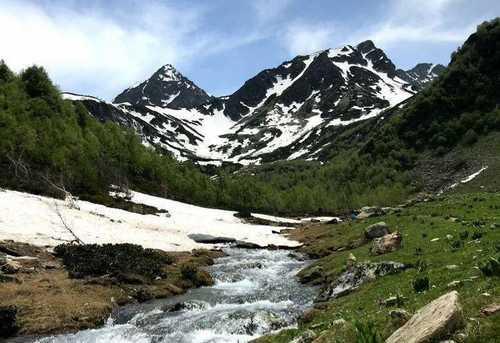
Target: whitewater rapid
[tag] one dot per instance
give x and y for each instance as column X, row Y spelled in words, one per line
column 255, row 292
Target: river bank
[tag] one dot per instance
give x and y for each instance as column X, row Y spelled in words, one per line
column 48, row 300
column 253, row 292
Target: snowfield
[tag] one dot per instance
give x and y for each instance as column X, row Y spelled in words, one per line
column 41, row 221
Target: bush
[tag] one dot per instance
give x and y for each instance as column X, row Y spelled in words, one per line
column 491, row 267
column 477, row 235
column 421, row 284
column 470, row 137
column 112, row 259
column 366, row 333
column 189, row 271
column 198, row 277
column 456, row 245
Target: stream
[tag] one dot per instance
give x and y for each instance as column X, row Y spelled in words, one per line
column 255, row 292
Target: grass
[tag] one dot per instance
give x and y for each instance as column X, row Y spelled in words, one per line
column 447, row 218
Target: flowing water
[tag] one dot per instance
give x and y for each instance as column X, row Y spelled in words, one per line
column 256, row 292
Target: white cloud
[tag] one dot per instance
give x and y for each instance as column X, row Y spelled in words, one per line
column 300, row 38
column 91, row 51
column 404, row 21
column 422, row 21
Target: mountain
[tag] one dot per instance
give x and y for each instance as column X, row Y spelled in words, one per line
column 421, row 75
column 286, row 112
column 165, row 88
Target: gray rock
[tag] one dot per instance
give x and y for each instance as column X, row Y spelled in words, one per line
column 388, row 243
column 11, row 267
column 399, row 316
column 357, row 275
column 247, row 245
column 209, row 239
column 437, row 320
column 377, row 230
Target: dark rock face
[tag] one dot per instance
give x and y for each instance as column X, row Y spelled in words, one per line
column 8, row 325
column 165, row 88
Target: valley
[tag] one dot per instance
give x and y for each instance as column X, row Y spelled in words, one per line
column 333, row 198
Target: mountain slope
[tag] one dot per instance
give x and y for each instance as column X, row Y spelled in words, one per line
column 281, row 113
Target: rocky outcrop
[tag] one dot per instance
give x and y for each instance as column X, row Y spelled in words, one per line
column 357, row 275
column 377, row 230
column 388, row 243
column 437, row 320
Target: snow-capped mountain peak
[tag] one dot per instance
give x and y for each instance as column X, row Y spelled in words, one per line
column 285, row 112
column 166, row 88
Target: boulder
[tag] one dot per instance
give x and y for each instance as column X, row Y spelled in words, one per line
column 377, row 230
column 8, row 325
column 209, row 239
column 399, row 316
column 11, row 267
column 437, row 320
column 357, row 275
column 313, row 273
column 247, row 245
column 388, row 243
column 490, row 310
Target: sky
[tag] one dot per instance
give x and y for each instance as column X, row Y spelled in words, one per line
column 101, row 47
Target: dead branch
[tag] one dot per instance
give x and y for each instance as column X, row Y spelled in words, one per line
column 66, row 226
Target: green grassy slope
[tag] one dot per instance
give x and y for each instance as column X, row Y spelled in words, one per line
column 458, row 215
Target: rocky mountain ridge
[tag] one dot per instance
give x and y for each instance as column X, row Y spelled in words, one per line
column 281, row 113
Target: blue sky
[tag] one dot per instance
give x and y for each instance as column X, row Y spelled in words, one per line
column 101, row 47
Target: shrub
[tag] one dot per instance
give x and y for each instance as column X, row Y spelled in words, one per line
column 421, row 266
column 477, row 235
column 366, row 333
column 456, row 244
column 113, row 259
column 464, row 235
column 198, row 277
column 189, row 271
column 470, row 137
column 491, row 267
column 421, row 284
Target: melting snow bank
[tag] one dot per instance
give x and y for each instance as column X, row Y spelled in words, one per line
column 41, row 220
column 283, row 220
column 464, row 180
column 473, row 176
column 256, row 292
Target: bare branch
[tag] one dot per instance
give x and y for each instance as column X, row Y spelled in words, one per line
column 66, row 226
